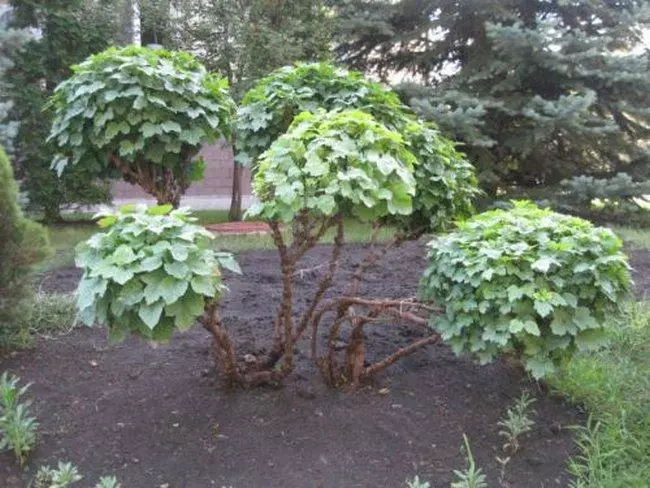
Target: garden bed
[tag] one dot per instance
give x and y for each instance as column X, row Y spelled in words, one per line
column 156, row 417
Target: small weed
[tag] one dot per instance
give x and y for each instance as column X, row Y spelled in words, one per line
column 63, row 476
column 471, row 476
column 17, row 427
column 517, row 422
column 416, row 483
column 108, row 482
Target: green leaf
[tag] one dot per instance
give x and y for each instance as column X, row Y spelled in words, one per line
column 106, row 222
column 171, row 126
column 179, row 252
column 228, row 261
column 543, row 308
column 149, row 130
column 160, row 209
column 544, row 263
column 150, row 264
column 192, row 136
column 124, row 255
column 177, row 269
column 584, row 320
column 150, row 313
column 203, row 285
column 169, row 289
column 186, row 311
column 539, row 367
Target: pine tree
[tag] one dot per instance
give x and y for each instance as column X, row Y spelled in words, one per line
column 538, row 90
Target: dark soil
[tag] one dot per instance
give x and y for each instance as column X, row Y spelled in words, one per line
column 155, row 416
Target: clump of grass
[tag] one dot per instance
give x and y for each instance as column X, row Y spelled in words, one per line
column 613, row 385
column 53, row 314
column 517, row 422
column 17, row 426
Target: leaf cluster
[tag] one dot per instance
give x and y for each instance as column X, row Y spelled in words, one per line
column 335, row 163
column 527, row 281
column 152, row 272
column 268, row 109
column 445, row 181
column 145, row 106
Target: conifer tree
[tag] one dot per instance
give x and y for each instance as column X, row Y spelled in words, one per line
column 538, row 90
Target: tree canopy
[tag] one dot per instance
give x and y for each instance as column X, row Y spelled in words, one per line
column 142, row 113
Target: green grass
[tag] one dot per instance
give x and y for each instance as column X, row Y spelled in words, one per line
column 637, row 238
column 613, row 385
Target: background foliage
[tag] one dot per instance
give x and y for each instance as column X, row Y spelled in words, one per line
column 538, row 91
column 68, row 31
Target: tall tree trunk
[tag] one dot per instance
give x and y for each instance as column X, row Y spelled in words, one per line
column 235, row 213
column 132, row 27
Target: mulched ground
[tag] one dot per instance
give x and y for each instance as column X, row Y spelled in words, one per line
column 155, row 417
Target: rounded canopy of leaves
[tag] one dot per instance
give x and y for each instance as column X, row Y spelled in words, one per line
column 526, row 281
column 141, row 105
column 268, row 109
column 335, row 163
column 152, row 272
column 445, row 181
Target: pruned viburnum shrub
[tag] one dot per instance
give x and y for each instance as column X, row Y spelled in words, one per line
column 268, row 109
column 332, row 166
column 526, row 282
column 143, row 113
column 152, row 272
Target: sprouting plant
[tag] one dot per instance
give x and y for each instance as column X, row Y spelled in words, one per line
column 416, row 483
column 17, row 427
column 64, row 475
column 10, row 393
column 517, row 422
column 108, row 482
column 471, row 476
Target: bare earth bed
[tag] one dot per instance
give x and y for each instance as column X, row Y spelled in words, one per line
column 156, row 417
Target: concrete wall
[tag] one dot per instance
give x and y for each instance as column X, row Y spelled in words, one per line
column 217, row 179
